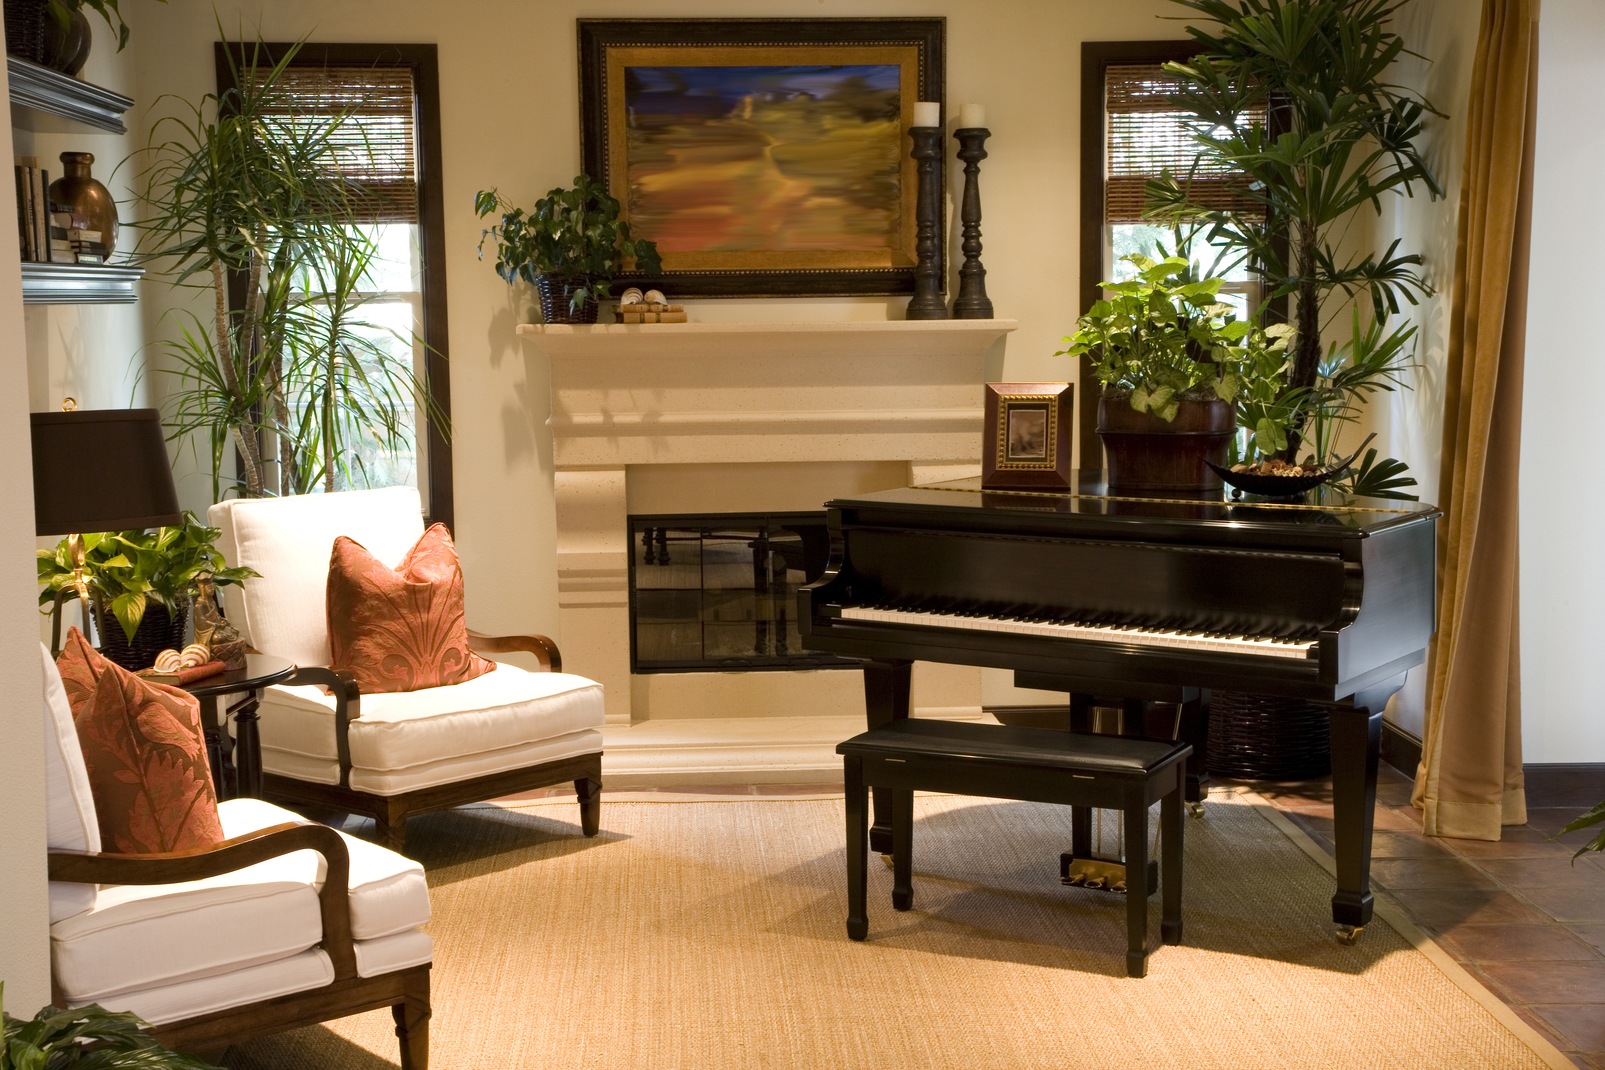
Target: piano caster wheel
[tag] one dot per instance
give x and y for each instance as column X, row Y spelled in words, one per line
column 1349, row 935
column 1195, row 809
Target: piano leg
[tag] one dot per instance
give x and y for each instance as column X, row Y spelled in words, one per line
column 1356, row 745
column 886, row 698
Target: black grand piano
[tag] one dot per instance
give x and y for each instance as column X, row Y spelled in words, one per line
column 1102, row 594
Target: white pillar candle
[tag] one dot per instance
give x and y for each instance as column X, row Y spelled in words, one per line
column 972, row 115
column 927, row 113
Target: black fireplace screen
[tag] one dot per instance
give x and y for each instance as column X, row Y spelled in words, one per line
column 718, row 592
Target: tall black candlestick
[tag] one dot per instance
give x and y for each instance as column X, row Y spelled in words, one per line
column 927, row 303
column 972, row 302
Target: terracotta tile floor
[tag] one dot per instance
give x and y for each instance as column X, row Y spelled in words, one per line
column 1517, row 914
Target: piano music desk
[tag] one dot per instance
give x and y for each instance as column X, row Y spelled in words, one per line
column 1029, row 764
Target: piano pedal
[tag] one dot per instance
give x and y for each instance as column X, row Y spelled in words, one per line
column 1102, row 874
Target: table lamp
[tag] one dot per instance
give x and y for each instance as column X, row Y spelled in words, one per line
column 98, row 470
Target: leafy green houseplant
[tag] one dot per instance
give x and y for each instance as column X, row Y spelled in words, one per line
column 1338, row 138
column 1161, row 337
column 90, row 1037
column 1172, row 361
column 573, row 242
column 1594, row 817
column 128, row 571
column 298, row 377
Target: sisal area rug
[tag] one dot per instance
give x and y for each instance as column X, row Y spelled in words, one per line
column 709, row 935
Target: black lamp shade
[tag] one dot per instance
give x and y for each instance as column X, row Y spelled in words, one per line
column 101, row 470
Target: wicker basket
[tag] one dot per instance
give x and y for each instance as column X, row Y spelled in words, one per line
column 1260, row 737
column 25, row 28
column 157, row 631
column 555, row 294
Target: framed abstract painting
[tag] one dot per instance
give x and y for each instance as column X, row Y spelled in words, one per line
column 763, row 156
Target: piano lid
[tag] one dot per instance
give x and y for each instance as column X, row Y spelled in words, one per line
column 1324, row 510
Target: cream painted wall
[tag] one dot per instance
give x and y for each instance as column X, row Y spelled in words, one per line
column 1562, row 568
column 1444, row 32
column 24, row 947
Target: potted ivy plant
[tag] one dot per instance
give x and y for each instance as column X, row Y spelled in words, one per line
column 141, row 584
column 1172, row 360
column 88, row 1036
column 570, row 247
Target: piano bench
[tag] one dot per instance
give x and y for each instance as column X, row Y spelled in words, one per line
column 1028, row 764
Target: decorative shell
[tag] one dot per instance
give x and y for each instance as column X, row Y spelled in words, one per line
column 195, row 654
column 655, row 297
column 632, row 296
column 168, row 661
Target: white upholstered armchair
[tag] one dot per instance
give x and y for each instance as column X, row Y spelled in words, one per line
column 284, row 923
column 395, row 753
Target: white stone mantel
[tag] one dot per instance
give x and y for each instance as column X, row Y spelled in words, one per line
column 727, row 406
column 710, row 393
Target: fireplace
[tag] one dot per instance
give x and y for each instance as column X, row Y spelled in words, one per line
column 658, row 421
column 717, row 592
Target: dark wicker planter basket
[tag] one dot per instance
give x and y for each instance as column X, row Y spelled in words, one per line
column 1260, row 737
column 555, row 297
column 158, row 631
column 25, row 28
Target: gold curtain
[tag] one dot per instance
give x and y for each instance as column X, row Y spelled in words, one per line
column 1470, row 780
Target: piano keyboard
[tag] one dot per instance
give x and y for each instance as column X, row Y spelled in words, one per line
column 1136, row 636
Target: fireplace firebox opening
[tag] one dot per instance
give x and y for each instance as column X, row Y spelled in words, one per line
column 718, row 592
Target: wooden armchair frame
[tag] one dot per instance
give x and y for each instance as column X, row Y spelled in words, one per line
column 390, row 812
column 405, row 992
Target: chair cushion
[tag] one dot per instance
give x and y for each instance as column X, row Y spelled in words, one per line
column 402, row 628
column 146, row 756
column 141, row 938
column 70, row 822
column 288, row 541
column 406, row 740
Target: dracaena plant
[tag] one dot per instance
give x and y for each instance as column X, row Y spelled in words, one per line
column 299, row 377
column 128, row 570
column 1163, row 336
column 574, row 233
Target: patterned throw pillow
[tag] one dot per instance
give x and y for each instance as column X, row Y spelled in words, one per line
column 146, row 756
column 400, row 629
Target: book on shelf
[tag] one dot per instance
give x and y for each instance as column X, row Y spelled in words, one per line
column 27, row 241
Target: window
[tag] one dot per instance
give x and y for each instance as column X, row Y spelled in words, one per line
column 389, row 145
column 1129, row 134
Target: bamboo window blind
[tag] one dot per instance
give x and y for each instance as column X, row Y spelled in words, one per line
column 1146, row 134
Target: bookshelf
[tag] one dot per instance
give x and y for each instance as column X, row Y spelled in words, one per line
column 46, row 101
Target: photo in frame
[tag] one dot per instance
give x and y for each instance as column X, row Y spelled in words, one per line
column 765, row 157
column 1026, row 443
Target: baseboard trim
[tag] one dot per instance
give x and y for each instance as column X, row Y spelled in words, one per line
column 1400, row 749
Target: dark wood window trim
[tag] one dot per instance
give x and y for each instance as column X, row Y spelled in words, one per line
column 424, row 61
column 1096, row 58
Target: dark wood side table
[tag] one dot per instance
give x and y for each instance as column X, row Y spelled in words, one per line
column 237, row 775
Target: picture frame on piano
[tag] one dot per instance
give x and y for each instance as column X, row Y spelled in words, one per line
column 1026, row 443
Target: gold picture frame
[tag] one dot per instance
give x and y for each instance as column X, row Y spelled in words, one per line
column 1026, row 443
column 763, row 156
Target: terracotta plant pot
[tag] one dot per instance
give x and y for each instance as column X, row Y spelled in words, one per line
column 1146, row 454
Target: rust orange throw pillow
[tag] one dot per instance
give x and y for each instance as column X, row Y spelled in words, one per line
column 400, row 629
column 145, row 753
